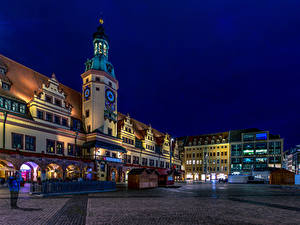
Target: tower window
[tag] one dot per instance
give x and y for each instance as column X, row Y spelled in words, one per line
column 89, row 128
column 97, row 78
column 97, row 89
column 110, row 84
column 87, row 113
column 86, row 80
column 109, row 131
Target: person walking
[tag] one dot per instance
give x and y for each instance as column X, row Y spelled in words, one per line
column 14, row 188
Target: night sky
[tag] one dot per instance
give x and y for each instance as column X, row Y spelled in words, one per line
column 186, row 67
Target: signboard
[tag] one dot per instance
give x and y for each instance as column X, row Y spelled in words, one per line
column 112, row 159
column 170, row 178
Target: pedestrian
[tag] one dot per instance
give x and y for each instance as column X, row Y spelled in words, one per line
column 14, row 188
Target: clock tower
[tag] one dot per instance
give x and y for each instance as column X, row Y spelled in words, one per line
column 99, row 90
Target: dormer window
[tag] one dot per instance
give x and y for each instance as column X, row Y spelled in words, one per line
column 48, row 99
column 58, row 102
column 2, row 71
column 5, row 86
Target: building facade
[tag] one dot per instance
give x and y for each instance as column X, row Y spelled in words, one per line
column 215, row 156
column 206, row 157
column 254, row 149
column 49, row 130
column 292, row 159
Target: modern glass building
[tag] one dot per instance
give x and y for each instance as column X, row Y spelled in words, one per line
column 254, row 150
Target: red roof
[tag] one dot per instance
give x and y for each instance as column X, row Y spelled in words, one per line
column 25, row 82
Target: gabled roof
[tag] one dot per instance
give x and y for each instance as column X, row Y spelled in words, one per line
column 25, row 82
column 140, row 129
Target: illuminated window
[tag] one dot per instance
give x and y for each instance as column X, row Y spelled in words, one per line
column 22, row 108
column 1, row 102
column 104, row 49
column 100, row 48
column 59, row 147
column 7, row 104
column 14, row 107
column 50, row 146
column 70, row 149
column 96, row 48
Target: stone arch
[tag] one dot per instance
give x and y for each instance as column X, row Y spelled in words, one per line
column 30, row 171
column 73, row 171
column 7, row 168
column 54, row 171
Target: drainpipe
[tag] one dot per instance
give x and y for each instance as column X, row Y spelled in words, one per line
column 4, row 122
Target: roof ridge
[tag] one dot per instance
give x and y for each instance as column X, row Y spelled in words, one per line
column 45, row 76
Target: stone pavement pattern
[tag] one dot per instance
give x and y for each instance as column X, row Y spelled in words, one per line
column 190, row 204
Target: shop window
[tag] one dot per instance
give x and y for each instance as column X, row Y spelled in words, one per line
column 17, row 141
column 30, row 143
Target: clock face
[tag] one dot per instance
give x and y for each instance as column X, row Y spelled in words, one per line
column 87, row 92
column 110, row 96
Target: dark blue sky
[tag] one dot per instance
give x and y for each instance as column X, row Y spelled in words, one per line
column 186, row 67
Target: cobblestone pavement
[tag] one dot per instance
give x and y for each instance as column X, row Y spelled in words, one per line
column 189, row 204
column 33, row 211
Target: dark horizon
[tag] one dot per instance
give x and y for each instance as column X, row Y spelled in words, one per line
column 186, row 69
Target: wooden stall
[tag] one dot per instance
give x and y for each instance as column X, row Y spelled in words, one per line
column 141, row 178
column 166, row 177
column 282, row 177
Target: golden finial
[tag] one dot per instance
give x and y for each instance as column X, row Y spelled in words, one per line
column 101, row 21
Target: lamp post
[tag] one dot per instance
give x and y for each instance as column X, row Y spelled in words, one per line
column 172, row 139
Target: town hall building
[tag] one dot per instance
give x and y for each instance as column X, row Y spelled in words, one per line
column 49, row 130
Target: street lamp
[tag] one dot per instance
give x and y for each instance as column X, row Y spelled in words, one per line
column 172, row 139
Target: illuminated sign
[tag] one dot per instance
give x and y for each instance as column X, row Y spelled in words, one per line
column 112, row 159
column 261, row 136
column 170, row 178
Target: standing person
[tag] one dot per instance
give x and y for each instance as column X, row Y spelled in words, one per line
column 14, row 188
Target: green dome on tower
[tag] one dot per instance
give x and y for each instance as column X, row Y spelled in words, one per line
column 101, row 47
